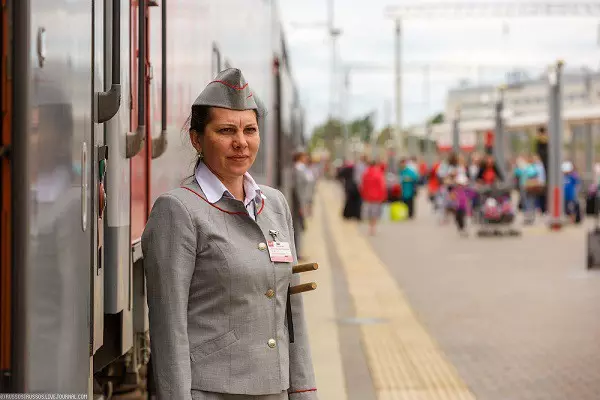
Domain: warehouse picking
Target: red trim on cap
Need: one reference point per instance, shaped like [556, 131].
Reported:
[231, 86]
[251, 94]
[225, 211]
[304, 391]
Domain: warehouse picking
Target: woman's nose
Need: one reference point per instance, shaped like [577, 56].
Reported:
[239, 140]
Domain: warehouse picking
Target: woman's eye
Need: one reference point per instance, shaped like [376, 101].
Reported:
[251, 130]
[226, 130]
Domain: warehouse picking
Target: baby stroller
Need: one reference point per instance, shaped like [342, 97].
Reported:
[496, 213]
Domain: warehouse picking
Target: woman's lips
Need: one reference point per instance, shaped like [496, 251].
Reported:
[238, 158]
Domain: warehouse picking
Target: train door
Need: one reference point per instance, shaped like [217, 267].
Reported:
[98, 153]
[55, 169]
[5, 200]
[140, 163]
[122, 145]
[105, 131]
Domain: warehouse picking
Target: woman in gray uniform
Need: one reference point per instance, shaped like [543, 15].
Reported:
[218, 256]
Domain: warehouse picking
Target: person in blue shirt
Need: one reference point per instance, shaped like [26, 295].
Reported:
[571, 187]
[530, 179]
[518, 171]
[409, 179]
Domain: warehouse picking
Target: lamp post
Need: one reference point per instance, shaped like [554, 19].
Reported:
[499, 141]
[456, 131]
[344, 106]
[555, 128]
[399, 135]
[588, 134]
[429, 144]
[334, 34]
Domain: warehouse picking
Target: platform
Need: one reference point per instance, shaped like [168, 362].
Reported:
[418, 312]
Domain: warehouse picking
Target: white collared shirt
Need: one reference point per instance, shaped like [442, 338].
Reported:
[214, 189]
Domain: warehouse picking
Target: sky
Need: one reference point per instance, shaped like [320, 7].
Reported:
[496, 45]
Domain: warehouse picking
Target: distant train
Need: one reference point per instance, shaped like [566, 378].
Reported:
[95, 97]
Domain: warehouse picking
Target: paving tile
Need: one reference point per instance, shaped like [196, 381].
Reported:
[519, 318]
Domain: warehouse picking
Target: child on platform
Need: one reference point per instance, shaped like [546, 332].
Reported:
[460, 199]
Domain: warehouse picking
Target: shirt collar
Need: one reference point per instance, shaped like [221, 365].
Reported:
[214, 189]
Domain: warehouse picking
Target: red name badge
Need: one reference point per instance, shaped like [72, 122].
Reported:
[280, 252]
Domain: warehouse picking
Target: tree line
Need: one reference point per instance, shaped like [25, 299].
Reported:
[331, 132]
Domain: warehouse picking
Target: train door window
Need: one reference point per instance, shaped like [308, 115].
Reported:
[216, 60]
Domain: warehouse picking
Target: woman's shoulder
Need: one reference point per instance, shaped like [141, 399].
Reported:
[276, 198]
[182, 197]
[169, 210]
[271, 193]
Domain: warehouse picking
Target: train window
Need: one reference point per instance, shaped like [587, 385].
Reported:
[216, 60]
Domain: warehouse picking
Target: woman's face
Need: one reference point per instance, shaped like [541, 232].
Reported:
[230, 142]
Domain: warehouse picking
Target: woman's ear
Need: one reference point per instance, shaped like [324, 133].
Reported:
[196, 142]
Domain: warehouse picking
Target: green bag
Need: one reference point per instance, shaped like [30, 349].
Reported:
[398, 211]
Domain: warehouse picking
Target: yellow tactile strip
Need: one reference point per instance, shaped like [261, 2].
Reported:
[320, 314]
[404, 361]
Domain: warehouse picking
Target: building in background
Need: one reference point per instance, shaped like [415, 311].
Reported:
[524, 96]
[470, 110]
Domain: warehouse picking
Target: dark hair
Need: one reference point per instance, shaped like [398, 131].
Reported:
[297, 156]
[453, 159]
[199, 119]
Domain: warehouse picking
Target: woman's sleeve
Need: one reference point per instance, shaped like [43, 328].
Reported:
[302, 376]
[169, 249]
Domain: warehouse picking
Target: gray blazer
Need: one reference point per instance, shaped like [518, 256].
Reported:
[215, 324]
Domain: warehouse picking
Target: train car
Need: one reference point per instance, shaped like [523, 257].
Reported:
[95, 99]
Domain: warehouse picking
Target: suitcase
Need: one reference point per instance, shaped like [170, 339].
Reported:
[593, 240]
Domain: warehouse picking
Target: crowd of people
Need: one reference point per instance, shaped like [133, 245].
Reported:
[369, 184]
[457, 186]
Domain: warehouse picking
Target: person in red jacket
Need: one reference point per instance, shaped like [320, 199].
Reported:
[489, 173]
[374, 192]
[434, 183]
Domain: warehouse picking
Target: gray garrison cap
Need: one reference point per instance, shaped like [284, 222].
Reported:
[230, 90]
